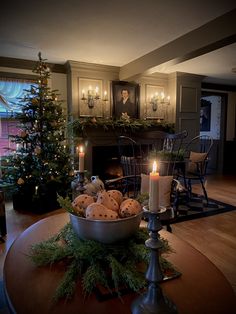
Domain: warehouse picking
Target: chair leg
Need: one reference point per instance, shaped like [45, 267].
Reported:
[189, 189]
[168, 228]
[204, 190]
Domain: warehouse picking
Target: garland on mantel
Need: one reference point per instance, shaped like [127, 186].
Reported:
[95, 263]
[125, 124]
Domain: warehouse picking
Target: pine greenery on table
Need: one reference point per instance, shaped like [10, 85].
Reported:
[94, 263]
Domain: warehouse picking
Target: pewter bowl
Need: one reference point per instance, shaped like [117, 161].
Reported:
[105, 231]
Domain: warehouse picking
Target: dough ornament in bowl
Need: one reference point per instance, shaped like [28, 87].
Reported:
[130, 207]
[105, 199]
[104, 220]
[81, 202]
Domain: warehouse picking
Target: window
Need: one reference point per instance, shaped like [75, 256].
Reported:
[10, 93]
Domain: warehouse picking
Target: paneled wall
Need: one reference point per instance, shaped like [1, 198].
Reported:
[184, 90]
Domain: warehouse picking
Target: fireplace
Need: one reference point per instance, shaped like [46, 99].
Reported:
[102, 154]
[105, 162]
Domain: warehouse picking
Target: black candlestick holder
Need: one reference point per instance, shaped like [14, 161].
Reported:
[81, 187]
[153, 301]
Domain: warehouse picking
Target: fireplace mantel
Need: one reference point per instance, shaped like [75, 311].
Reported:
[102, 143]
[84, 125]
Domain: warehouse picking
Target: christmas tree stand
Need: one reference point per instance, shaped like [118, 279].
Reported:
[40, 199]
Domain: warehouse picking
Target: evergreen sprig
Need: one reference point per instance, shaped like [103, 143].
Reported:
[95, 263]
[81, 125]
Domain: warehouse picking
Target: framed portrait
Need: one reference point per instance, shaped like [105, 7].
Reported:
[205, 115]
[125, 99]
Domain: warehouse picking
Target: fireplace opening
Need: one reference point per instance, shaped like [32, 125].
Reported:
[105, 162]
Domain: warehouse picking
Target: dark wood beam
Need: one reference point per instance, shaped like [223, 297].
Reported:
[29, 64]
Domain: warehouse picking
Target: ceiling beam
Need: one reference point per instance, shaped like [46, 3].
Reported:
[213, 35]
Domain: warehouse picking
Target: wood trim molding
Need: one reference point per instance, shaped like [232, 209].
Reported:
[18, 76]
[29, 64]
[219, 87]
[80, 66]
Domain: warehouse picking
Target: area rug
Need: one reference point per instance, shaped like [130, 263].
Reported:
[197, 207]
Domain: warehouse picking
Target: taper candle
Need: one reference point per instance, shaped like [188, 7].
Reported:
[81, 159]
[154, 197]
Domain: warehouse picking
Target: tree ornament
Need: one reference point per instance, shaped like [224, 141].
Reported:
[44, 81]
[34, 101]
[23, 134]
[20, 181]
[37, 150]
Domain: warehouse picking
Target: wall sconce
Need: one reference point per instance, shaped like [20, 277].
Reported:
[156, 100]
[91, 97]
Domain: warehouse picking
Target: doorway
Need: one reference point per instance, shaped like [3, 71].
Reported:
[213, 122]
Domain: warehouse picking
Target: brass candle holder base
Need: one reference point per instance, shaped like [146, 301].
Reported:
[153, 301]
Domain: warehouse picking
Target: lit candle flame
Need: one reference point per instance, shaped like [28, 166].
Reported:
[154, 166]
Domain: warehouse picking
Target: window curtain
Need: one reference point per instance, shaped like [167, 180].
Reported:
[10, 93]
[11, 90]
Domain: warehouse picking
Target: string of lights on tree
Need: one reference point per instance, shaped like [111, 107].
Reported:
[41, 152]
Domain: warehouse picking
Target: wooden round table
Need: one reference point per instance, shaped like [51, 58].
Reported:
[201, 288]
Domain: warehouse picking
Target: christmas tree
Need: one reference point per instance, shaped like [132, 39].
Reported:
[41, 164]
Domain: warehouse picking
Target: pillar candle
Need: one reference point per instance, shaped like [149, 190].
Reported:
[154, 197]
[81, 159]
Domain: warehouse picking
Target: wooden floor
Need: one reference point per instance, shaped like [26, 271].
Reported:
[214, 236]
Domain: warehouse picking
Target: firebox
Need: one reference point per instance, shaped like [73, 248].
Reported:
[105, 162]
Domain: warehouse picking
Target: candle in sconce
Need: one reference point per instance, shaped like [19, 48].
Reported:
[81, 159]
[90, 90]
[96, 91]
[105, 95]
[83, 93]
[154, 195]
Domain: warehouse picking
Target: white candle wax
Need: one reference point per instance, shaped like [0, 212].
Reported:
[154, 197]
[81, 159]
[105, 95]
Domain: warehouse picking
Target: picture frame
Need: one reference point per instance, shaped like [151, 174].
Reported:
[150, 114]
[84, 109]
[125, 99]
[205, 115]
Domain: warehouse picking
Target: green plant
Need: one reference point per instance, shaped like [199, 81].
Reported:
[164, 155]
[80, 125]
